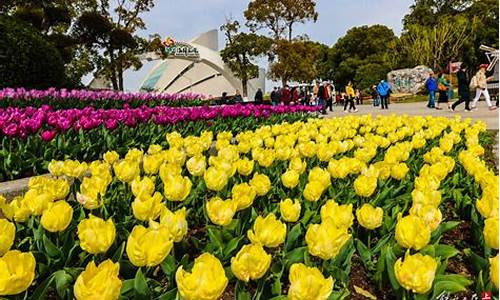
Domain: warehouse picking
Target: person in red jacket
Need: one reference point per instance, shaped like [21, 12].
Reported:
[286, 96]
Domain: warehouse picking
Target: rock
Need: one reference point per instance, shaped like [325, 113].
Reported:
[408, 80]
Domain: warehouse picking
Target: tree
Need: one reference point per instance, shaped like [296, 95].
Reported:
[436, 46]
[240, 52]
[53, 19]
[27, 59]
[370, 74]
[115, 33]
[279, 16]
[297, 61]
[482, 16]
[362, 46]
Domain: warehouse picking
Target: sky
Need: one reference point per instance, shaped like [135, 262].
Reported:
[185, 19]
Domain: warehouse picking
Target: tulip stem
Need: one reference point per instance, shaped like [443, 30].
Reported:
[369, 240]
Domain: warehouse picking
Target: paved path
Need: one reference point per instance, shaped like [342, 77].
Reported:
[419, 108]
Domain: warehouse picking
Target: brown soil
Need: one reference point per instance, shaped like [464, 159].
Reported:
[358, 277]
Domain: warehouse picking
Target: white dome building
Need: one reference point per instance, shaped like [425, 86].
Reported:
[196, 66]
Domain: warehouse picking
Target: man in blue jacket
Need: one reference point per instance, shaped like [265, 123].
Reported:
[432, 86]
[383, 90]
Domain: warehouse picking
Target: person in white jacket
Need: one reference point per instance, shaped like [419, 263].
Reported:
[479, 82]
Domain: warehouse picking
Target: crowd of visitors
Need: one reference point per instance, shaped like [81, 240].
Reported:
[442, 86]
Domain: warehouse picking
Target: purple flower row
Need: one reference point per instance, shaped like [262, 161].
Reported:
[89, 95]
[21, 122]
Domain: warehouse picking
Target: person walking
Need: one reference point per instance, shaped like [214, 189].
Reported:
[259, 97]
[463, 88]
[359, 100]
[431, 86]
[443, 86]
[480, 82]
[375, 96]
[383, 89]
[349, 91]
[329, 96]
[322, 96]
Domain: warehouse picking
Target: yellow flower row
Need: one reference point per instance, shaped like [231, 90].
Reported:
[294, 143]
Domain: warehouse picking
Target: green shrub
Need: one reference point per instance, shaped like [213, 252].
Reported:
[27, 59]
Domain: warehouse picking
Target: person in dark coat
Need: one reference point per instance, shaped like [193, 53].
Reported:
[275, 96]
[258, 96]
[463, 88]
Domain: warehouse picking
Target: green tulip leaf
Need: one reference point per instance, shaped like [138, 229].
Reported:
[293, 235]
[63, 281]
[141, 287]
[50, 248]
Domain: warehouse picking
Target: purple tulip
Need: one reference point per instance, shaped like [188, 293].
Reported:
[48, 135]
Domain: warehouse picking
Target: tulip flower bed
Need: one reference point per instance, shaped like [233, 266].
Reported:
[59, 99]
[346, 208]
[31, 137]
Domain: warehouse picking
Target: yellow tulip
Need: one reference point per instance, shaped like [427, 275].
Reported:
[244, 166]
[147, 207]
[99, 282]
[151, 163]
[110, 157]
[149, 246]
[17, 271]
[175, 222]
[73, 168]
[168, 170]
[134, 154]
[17, 209]
[487, 205]
[260, 183]
[177, 187]
[297, 164]
[56, 188]
[370, 217]
[267, 231]
[490, 232]
[174, 139]
[416, 273]
[290, 210]
[37, 203]
[427, 197]
[154, 149]
[341, 215]
[399, 171]
[56, 167]
[412, 232]
[126, 170]
[325, 240]
[7, 236]
[307, 283]
[313, 190]
[251, 262]
[95, 234]
[494, 270]
[221, 212]
[429, 214]
[57, 217]
[196, 165]
[318, 174]
[243, 195]
[143, 188]
[364, 186]
[206, 281]
[215, 179]
[290, 178]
